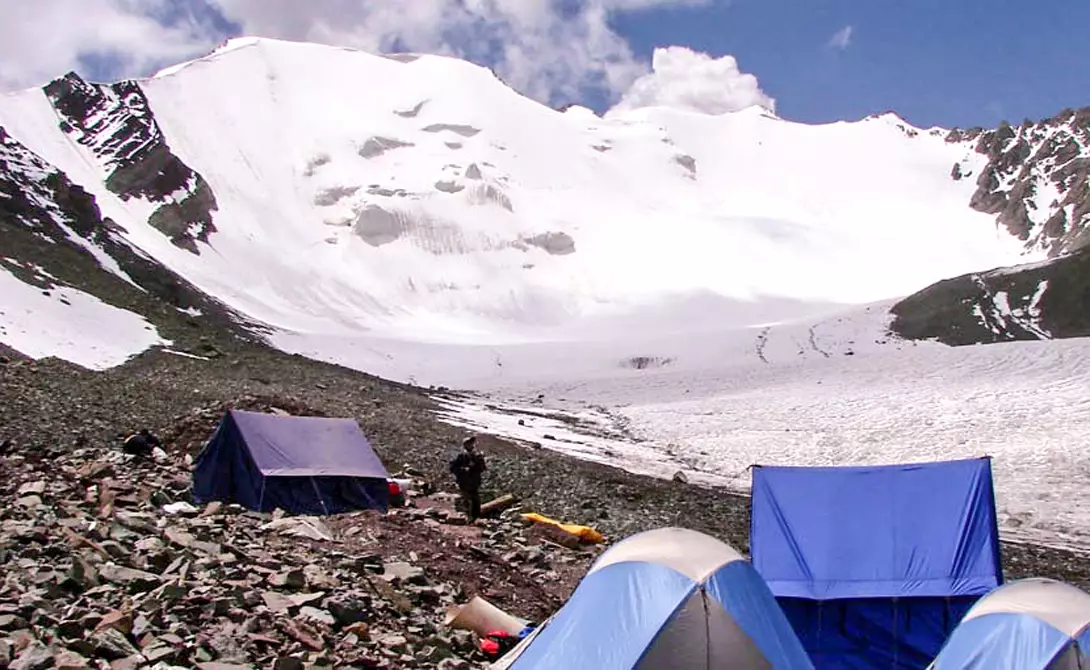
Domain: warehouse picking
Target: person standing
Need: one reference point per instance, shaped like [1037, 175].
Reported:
[467, 468]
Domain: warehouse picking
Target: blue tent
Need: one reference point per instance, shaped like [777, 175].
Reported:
[874, 566]
[303, 465]
[666, 599]
[1030, 624]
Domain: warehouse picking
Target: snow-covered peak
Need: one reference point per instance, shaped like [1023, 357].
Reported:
[350, 192]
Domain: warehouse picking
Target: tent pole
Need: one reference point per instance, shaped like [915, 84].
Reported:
[896, 641]
[318, 493]
[261, 497]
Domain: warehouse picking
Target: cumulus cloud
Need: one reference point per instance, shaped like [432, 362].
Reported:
[685, 79]
[841, 39]
[549, 50]
[43, 39]
[555, 51]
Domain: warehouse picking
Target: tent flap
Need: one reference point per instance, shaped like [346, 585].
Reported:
[918, 530]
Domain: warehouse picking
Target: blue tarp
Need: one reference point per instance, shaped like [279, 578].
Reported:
[303, 465]
[905, 549]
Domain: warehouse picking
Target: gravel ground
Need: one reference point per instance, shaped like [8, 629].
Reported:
[51, 405]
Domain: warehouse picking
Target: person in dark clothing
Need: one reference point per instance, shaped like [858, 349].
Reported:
[141, 444]
[467, 468]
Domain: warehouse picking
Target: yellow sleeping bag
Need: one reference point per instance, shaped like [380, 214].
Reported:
[585, 533]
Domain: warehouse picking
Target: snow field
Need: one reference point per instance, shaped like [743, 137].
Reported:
[70, 324]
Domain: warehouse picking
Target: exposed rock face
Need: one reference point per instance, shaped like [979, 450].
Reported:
[1037, 180]
[1037, 301]
[48, 222]
[331, 196]
[377, 226]
[489, 194]
[376, 146]
[411, 113]
[459, 129]
[449, 186]
[687, 162]
[555, 243]
[116, 124]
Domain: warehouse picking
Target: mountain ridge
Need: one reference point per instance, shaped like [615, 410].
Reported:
[462, 209]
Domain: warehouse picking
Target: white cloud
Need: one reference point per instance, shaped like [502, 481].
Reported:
[842, 38]
[43, 39]
[686, 79]
[547, 52]
[555, 51]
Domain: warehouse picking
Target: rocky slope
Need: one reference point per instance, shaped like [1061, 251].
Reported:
[104, 571]
[1036, 180]
[54, 235]
[116, 123]
[1033, 302]
[109, 566]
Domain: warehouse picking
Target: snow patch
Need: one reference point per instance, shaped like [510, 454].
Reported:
[70, 324]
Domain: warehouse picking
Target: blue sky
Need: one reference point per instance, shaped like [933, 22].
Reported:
[935, 62]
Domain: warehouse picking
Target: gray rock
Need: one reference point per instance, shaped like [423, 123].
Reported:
[316, 615]
[128, 663]
[29, 502]
[12, 622]
[70, 660]
[36, 656]
[112, 644]
[400, 571]
[136, 580]
[30, 488]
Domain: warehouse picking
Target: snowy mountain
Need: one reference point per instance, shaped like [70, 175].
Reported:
[707, 291]
[72, 285]
[341, 199]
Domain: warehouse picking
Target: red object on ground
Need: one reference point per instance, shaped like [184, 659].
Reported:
[497, 643]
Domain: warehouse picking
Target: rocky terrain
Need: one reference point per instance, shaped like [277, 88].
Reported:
[116, 123]
[110, 567]
[54, 235]
[1037, 179]
[1037, 183]
[1033, 302]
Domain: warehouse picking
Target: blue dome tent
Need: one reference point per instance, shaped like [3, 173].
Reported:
[1029, 624]
[669, 598]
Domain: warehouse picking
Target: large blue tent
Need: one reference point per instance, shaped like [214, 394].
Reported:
[301, 464]
[666, 599]
[1029, 624]
[875, 566]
